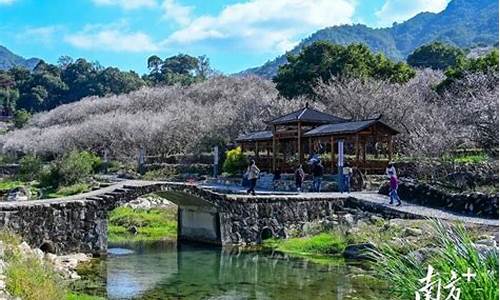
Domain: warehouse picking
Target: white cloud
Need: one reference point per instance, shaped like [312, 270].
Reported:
[44, 34]
[264, 25]
[173, 10]
[401, 10]
[126, 4]
[115, 37]
[6, 2]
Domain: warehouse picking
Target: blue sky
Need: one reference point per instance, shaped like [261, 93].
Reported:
[234, 34]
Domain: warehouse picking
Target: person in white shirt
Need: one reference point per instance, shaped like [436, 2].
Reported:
[390, 170]
[252, 175]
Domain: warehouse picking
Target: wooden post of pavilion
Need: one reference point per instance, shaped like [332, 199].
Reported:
[299, 144]
[274, 148]
[356, 146]
[332, 146]
[364, 150]
[256, 149]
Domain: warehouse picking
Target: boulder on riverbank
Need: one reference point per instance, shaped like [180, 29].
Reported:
[150, 202]
[359, 251]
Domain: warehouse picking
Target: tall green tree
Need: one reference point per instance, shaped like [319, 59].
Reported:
[8, 94]
[178, 69]
[483, 64]
[436, 55]
[322, 60]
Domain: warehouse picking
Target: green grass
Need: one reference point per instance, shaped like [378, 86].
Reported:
[470, 158]
[78, 296]
[455, 252]
[31, 279]
[329, 243]
[8, 184]
[27, 277]
[153, 224]
[70, 190]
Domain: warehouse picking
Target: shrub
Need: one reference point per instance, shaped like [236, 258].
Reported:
[49, 176]
[73, 189]
[235, 161]
[21, 117]
[160, 174]
[30, 167]
[77, 166]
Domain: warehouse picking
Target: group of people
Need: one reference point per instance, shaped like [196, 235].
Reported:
[317, 170]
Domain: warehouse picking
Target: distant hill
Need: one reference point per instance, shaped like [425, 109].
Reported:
[464, 23]
[9, 60]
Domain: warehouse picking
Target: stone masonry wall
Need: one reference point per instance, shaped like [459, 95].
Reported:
[246, 221]
[65, 227]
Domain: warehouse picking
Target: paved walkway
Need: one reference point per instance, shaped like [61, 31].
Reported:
[372, 197]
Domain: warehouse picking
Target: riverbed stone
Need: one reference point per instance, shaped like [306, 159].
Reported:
[348, 219]
[487, 242]
[485, 251]
[423, 254]
[409, 231]
[359, 251]
[374, 219]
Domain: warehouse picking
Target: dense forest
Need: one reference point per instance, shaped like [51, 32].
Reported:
[47, 86]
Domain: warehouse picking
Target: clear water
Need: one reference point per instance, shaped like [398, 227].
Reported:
[187, 271]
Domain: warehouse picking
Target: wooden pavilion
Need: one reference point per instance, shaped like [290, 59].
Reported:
[367, 144]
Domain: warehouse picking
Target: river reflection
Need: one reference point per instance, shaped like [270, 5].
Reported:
[188, 271]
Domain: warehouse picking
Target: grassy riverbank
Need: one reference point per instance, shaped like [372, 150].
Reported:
[150, 225]
[404, 249]
[327, 243]
[453, 251]
[31, 278]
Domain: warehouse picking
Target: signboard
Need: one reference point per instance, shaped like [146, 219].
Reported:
[340, 162]
[216, 159]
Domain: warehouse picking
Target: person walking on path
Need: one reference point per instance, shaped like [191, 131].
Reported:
[390, 170]
[394, 190]
[252, 175]
[317, 170]
[299, 178]
[346, 178]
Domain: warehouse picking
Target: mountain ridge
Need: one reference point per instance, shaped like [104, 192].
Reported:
[464, 23]
[9, 59]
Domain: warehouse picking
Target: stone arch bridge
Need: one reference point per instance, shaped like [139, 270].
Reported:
[79, 223]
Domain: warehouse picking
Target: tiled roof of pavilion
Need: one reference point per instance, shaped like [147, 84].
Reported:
[346, 128]
[307, 115]
[255, 136]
